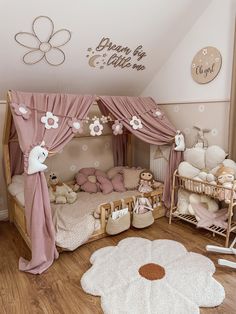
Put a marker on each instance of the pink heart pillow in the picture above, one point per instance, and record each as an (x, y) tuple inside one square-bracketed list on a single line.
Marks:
[(118, 183), (105, 185)]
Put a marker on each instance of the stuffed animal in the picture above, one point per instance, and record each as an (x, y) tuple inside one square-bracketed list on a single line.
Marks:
[(59, 192), (142, 205), (201, 140), (37, 156), (179, 142), (225, 177)]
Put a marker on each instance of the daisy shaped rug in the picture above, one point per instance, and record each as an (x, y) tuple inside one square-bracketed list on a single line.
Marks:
[(139, 276)]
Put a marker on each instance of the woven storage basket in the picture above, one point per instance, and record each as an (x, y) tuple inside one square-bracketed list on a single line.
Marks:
[(142, 220)]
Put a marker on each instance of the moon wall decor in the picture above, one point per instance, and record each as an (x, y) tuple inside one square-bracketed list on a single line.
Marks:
[(206, 65), (110, 54)]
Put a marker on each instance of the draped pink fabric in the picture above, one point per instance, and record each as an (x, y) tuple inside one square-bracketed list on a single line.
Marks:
[(119, 142), (32, 132), (16, 155), (154, 130)]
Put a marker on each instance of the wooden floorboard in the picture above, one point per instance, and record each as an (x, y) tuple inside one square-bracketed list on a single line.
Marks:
[(58, 290)]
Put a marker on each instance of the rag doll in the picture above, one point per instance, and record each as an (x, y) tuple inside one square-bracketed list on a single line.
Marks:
[(142, 206), (145, 181), (59, 192)]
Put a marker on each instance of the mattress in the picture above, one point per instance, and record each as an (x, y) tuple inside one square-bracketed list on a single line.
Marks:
[(74, 223)]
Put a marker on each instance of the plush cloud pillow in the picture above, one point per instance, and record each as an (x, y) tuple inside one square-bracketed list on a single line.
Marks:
[(131, 178), (118, 183), (105, 185)]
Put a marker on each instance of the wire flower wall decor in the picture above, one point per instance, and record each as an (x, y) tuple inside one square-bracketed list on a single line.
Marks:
[(44, 43)]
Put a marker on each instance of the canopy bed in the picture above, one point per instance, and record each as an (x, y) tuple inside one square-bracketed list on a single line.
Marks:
[(39, 125)]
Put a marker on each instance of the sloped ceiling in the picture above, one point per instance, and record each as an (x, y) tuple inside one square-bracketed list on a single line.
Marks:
[(157, 25)]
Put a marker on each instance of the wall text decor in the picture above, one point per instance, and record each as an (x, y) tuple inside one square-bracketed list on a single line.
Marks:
[(206, 65), (108, 53), (43, 42)]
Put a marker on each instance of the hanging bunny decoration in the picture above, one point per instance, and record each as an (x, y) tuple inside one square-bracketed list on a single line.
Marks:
[(37, 156), (201, 140)]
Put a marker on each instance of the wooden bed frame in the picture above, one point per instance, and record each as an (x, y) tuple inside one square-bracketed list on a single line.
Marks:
[(17, 212)]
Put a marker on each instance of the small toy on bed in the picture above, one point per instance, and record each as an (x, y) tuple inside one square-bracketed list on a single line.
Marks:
[(147, 182), (59, 192)]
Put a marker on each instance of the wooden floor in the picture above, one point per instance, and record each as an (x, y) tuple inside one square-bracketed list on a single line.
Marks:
[(58, 290)]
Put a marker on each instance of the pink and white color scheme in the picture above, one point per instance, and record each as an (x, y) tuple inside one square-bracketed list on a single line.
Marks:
[(66, 107)]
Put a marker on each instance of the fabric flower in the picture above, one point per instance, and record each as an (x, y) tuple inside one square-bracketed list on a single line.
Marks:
[(50, 121), (136, 123), (204, 51), (75, 125), (43, 42), (104, 119), (21, 110), (143, 276), (158, 114), (96, 128), (117, 127)]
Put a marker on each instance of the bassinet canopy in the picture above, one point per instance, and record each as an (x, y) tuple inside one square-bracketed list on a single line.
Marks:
[(31, 113)]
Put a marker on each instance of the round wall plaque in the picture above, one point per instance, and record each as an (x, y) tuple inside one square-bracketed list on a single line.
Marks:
[(206, 65)]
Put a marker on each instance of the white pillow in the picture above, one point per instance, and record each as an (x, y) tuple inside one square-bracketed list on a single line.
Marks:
[(187, 170), (214, 156), (196, 157)]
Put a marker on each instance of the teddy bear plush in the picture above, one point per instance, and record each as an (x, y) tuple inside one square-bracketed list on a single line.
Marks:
[(59, 192), (225, 177)]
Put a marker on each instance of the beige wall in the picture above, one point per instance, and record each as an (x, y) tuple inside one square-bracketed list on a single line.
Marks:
[(82, 152), (212, 115)]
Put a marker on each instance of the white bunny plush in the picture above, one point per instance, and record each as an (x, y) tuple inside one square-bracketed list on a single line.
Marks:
[(201, 139), (142, 205), (179, 141), (37, 156)]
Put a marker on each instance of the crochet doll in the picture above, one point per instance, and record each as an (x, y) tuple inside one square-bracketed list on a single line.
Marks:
[(145, 181)]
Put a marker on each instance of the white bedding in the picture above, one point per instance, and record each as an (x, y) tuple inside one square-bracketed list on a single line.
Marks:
[(74, 223)]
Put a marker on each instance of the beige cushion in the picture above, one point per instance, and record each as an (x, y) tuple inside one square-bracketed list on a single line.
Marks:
[(131, 178)]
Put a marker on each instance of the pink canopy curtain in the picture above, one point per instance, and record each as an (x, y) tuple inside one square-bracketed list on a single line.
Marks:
[(16, 155), (32, 132), (157, 131), (119, 142)]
